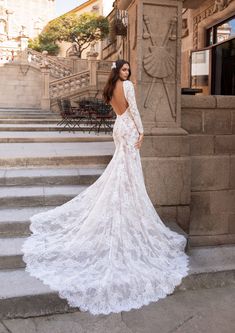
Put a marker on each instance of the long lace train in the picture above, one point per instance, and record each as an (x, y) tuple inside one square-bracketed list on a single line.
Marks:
[(107, 250)]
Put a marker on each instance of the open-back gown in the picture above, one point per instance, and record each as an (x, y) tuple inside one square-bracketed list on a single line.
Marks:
[(107, 250)]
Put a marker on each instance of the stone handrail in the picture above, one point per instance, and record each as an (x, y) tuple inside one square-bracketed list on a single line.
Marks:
[(69, 85), (57, 68)]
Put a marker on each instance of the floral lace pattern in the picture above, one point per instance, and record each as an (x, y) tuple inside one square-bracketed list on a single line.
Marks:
[(130, 97), (107, 250)]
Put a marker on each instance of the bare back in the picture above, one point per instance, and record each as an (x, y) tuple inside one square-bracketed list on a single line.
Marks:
[(118, 101)]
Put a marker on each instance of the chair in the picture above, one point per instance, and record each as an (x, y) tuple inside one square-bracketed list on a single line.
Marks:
[(104, 116), (65, 113), (71, 116)]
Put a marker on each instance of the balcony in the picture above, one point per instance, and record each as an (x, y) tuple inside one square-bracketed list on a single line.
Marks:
[(120, 22)]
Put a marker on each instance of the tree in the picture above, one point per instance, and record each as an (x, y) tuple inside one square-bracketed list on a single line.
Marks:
[(44, 42), (82, 30)]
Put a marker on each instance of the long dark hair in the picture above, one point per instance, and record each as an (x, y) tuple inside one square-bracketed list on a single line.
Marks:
[(112, 79)]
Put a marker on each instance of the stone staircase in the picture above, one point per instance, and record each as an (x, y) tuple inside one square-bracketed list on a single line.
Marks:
[(29, 125), (43, 169), (58, 69), (51, 78), (65, 81)]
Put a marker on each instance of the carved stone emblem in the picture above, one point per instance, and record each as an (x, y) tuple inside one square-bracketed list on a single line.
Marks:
[(158, 62)]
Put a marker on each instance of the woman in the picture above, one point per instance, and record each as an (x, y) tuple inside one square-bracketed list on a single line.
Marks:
[(107, 250)]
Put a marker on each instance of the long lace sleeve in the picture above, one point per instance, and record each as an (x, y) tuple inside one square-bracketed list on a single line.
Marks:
[(130, 96)]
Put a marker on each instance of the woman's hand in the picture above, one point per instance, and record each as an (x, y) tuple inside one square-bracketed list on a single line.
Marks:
[(140, 140)]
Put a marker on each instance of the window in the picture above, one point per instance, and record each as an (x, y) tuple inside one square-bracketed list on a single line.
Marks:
[(221, 32), (223, 68), (200, 70)]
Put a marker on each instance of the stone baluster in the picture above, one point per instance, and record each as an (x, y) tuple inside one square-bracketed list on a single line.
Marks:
[(66, 86)]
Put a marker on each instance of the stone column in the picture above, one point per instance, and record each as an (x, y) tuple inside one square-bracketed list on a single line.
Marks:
[(92, 64), (154, 35), (24, 43), (92, 54), (9, 23), (45, 70)]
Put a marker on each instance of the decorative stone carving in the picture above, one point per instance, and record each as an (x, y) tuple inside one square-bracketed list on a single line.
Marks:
[(220, 5), (73, 51), (92, 54), (3, 25), (185, 30), (217, 6), (3, 21), (135, 36), (159, 63)]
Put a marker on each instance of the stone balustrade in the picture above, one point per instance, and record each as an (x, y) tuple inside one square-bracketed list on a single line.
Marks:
[(68, 86), (57, 69), (7, 55), (94, 76)]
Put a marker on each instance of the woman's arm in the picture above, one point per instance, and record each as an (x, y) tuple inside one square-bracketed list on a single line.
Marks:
[(130, 96)]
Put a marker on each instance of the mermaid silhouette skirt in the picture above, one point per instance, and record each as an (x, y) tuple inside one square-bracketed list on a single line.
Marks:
[(107, 250)]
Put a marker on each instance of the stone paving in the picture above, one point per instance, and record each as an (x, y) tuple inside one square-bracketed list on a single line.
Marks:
[(195, 311)]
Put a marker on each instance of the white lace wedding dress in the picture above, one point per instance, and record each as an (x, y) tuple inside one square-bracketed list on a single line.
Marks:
[(107, 250)]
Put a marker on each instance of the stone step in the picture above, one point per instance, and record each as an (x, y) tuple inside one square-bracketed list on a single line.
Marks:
[(10, 247), (61, 161), (210, 267), (30, 113), (49, 176), (60, 154), (28, 296), (2, 109), (64, 136), (10, 253), (22, 295), (26, 121), (14, 222), (21, 196), (6, 117), (22, 113), (46, 128)]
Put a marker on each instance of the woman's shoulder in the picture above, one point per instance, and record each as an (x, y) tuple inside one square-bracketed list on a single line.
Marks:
[(128, 83)]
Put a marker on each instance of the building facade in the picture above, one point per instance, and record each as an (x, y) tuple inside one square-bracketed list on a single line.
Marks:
[(28, 16), (20, 18), (208, 47), (208, 44)]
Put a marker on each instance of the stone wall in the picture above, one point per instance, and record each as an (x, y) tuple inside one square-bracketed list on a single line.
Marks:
[(20, 89), (210, 122)]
